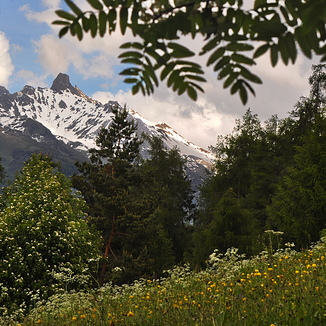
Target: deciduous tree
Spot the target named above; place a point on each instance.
(43, 232)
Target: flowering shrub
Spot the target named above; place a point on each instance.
(43, 233)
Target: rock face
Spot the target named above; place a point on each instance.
(64, 122)
(62, 83)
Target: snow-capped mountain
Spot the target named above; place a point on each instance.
(63, 119)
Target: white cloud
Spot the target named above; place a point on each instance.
(214, 112)
(30, 78)
(46, 16)
(198, 122)
(53, 54)
(6, 65)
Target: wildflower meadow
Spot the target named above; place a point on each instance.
(285, 287)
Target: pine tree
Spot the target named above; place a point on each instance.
(299, 205)
(166, 182)
(104, 182)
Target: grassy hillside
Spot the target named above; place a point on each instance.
(284, 288)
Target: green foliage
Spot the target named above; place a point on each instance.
(42, 232)
(231, 226)
(164, 179)
(126, 205)
(233, 36)
(298, 207)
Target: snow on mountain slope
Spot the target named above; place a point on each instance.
(74, 118)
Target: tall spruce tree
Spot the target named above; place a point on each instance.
(166, 182)
(298, 207)
(135, 242)
(104, 182)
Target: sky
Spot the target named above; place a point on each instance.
(31, 53)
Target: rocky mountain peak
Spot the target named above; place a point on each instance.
(62, 83)
(3, 90)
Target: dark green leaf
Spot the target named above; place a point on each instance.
(303, 42)
(268, 29)
(195, 77)
(63, 31)
(192, 93)
(259, 3)
(178, 48)
(235, 87)
(150, 72)
(232, 77)
(290, 22)
(173, 76)
(211, 44)
(132, 54)
(242, 59)
(73, 7)
(191, 69)
(130, 80)
(249, 76)
(181, 54)
(78, 30)
(112, 17)
(123, 19)
(130, 72)
(182, 88)
(290, 43)
(60, 22)
(86, 24)
(65, 15)
(215, 55)
(102, 23)
(261, 50)
(93, 25)
(196, 86)
(185, 62)
(224, 72)
(134, 61)
(167, 69)
(243, 94)
(249, 87)
(135, 89)
(274, 55)
(148, 83)
(135, 45)
(142, 88)
(95, 4)
(239, 47)
(283, 50)
(289, 6)
(222, 62)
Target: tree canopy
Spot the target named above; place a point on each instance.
(234, 37)
(43, 234)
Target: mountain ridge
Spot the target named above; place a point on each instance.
(74, 119)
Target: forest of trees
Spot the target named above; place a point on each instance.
(123, 217)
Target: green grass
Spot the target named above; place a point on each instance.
(286, 288)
